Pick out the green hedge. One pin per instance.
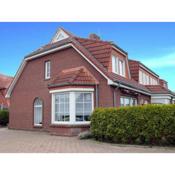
(149, 124)
(4, 117)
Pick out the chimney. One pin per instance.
(163, 83)
(94, 36)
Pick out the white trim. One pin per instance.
(119, 50)
(72, 89)
(44, 53)
(59, 32)
(143, 67)
(126, 87)
(162, 95)
(49, 51)
(15, 79)
(47, 69)
(72, 110)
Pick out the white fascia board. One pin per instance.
(47, 52)
(127, 87)
(72, 89)
(119, 50)
(161, 96)
(143, 67)
(15, 78)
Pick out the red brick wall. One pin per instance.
(31, 84)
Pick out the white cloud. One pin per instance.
(160, 62)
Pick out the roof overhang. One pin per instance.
(26, 59)
(127, 87)
(168, 96)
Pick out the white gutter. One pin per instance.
(130, 88)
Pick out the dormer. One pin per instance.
(61, 34)
(119, 63)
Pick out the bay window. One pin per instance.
(72, 107)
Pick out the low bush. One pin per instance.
(4, 117)
(85, 135)
(149, 124)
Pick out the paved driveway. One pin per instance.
(15, 141)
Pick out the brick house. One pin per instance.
(5, 82)
(57, 86)
(160, 94)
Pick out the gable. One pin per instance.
(60, 35)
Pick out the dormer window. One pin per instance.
(118, 66)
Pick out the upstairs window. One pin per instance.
(47, 69)
(118, 66)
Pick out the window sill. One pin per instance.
(38, 126)
(68, 124)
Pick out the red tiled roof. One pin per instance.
(98, 52)
(158, 89)
(128, 82)
(101, 50)
(5, 81)
(3, 100)
(74, 76)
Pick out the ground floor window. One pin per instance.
(72, 106)
(38, 111)
(128, 101)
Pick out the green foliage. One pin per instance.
(4, 117)
(148, 124)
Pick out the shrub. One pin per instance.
(4, 117)
(149, 124)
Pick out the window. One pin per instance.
(145, 79)
(83, 106)
(128, 101)
(115, 64)
(47, 69)
(38, 110)
(121, 68)
(62, 107)
(118, 66)
(72, 106)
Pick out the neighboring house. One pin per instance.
(160, 94)
(5, 82)
(57, 86)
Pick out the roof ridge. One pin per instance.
(94, 40)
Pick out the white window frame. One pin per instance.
(47, 70)
(122, 67)
(72, 103)
(34, 110)
(123, 98)
(118, 66)
(115, 67)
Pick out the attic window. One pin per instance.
(60, 37)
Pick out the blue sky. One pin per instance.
(151, 43)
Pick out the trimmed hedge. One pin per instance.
(148, 124)
(4, 117)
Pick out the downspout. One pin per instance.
(114, 95)
(96, 96)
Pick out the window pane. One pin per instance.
(83, 106)
(127, 102)
(62, 107)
